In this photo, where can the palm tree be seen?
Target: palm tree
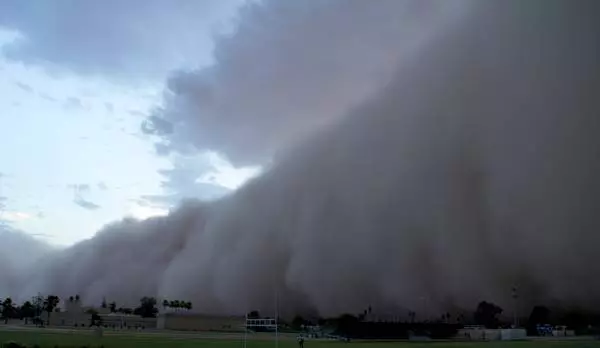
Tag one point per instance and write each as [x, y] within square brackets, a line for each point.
[174, 304]
[165, 304]
[50, 304]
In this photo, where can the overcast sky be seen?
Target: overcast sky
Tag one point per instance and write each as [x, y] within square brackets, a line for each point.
[79, 81]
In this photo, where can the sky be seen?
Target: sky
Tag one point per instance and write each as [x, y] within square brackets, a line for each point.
[74, 153]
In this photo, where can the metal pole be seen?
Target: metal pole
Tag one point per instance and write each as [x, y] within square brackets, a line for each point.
[277, 318]
[515, 296]
[246, 329]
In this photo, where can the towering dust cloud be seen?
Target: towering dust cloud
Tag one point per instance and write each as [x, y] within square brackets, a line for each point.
[447, 160]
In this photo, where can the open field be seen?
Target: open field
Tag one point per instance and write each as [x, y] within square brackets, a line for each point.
[50, 338]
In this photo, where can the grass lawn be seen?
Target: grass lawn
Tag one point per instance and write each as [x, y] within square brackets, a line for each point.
[48, 339]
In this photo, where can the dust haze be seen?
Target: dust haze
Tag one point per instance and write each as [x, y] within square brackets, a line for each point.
[415, 151]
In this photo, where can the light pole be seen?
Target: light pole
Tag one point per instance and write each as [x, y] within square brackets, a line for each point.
[277, 316]
[515, 297]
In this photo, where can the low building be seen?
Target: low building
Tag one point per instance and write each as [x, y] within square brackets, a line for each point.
[72, 319]
[185, 321]
[477, 333]
[125, 321]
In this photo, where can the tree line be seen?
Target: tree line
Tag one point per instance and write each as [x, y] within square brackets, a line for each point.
[486, 314]
[29, 310]
[177, 304]
[33, 310]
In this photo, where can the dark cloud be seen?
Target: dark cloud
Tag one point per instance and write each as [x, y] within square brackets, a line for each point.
[80, 191]
[47, 97]
[85, 203]
[25, 87]
[157, 126]
[18, 253]
[79, 188]
[136, 38]
[299, 81]
[162, 149]
[74, 103]
[136, 113]
[472, 169]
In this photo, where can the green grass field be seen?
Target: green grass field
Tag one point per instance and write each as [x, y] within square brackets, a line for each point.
[134, 340]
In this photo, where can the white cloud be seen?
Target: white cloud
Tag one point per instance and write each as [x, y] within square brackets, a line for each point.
[225, 174]
[144, 212]
[15, 216]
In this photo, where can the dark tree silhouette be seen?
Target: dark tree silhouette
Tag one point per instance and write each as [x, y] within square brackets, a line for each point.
[186, 305]
[297, 322]
[96, 319]
[165, 303]
[112, 307]
[253, 315]
[50, 304]
[103, 304]
[486, 314]
[147, 308]
[27, 311]
[125, 310]
[7, 309]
